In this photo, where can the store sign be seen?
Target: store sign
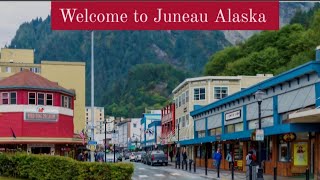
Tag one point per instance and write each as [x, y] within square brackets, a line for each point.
[233, 115]
[41, 114]
[289, 137]
[300, 154]
[259, 135]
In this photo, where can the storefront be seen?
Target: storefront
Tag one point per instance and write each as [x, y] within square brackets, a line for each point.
[290, 120]
[36, 116]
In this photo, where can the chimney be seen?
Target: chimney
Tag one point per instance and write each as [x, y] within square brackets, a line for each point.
[318, 53]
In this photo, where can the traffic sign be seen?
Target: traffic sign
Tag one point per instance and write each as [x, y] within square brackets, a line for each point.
[92, 142]
[259, 135]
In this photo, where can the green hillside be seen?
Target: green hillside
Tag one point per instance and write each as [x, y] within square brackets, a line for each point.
[271, 51]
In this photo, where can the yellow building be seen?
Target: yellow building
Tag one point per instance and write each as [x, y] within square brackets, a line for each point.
[70, 75]
[202, 91]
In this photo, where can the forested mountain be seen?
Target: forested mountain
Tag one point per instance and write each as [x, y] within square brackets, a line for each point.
[271, 51]
[120, 52]
[139, 69]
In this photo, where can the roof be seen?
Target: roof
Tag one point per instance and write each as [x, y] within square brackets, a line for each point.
[204, 78]
[313, 66]
[29, 80]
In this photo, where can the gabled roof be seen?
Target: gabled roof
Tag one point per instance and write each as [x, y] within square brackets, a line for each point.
[29, 80]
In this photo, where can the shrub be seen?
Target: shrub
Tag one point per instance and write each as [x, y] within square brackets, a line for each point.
[44, 167]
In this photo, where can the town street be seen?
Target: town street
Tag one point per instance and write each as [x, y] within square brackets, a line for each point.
[143, 171]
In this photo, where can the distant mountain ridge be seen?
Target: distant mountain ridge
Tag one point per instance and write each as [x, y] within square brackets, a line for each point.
[124, 60]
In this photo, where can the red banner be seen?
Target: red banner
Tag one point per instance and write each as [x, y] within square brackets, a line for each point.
[165, 15]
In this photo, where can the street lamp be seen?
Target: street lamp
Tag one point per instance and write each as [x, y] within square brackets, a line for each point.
[114, 146]
[105, 140]
[178, 145]
[259, 96]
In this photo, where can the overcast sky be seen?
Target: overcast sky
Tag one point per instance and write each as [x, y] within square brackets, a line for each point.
[13, 14]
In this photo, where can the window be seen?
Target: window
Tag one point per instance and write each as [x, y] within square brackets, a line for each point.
[5, 98]
[199, 94]
[134, 125]
[284, 150]
[49, 100]
[183, 121]
[183, 98]
[177, 103]
[13, 98]
[8, 69]
[230, 128]
[220, 92]
[40, 98]
[66, 101]
[32, 98]
[187, 119]
[187, 96]
[201, 134]
[216, 131]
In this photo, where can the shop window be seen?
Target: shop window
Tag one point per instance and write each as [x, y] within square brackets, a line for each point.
[216, 131]
[201, 134]
[238, 127]
[268, 148]
[199, 94]
[284, 151]
[49, 100]
[13, 98]
[230, 128]
[32, 98]
[40, 98]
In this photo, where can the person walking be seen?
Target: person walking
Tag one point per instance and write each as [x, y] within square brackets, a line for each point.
[178, 158]
[171, 155]
[184, 156]
[249, 162]
[229, 159]
[218, 157]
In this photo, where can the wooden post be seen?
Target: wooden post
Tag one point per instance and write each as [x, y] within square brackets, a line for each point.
[317, 157]
[245, 152]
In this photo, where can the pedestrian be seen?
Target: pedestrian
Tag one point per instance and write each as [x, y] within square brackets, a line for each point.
[217, 157]
[184, 156]
[229, 159]
[249, 162]
[80, 157]
[178, 158]
[171, 155]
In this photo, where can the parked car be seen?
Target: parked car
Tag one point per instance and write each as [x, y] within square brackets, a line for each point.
[119, 157]
[157, 157]
[132, 157]
[127, 155]
[139, 156]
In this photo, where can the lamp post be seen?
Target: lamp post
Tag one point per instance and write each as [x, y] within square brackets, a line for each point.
[178, 145]
[259, 96]
[114, 146]
[105, 140]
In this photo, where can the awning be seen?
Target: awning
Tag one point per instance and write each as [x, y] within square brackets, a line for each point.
[309, 116]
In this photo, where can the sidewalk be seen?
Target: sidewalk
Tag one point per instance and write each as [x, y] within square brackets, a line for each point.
[226, 175]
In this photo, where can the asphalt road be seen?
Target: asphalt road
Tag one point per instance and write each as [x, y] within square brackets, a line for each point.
[143, 171]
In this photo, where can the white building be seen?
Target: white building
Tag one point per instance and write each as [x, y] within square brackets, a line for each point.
[135, 135]
[110, 123]
[123, 133]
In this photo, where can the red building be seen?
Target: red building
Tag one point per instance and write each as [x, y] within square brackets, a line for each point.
[36, 115]
[168, 126]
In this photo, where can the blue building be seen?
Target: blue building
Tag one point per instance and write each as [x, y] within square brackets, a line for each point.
[150, 130]
[290, 119]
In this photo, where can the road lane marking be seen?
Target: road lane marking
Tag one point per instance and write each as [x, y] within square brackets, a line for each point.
[159, 175]
[143, 176]
[175, 174]
[141, 168]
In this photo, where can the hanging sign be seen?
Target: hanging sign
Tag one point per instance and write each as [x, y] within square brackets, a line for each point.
[289, 137]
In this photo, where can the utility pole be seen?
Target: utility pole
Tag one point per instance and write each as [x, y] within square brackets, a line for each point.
[92, 92]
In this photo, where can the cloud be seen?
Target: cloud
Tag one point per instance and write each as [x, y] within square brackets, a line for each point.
[16, 13]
